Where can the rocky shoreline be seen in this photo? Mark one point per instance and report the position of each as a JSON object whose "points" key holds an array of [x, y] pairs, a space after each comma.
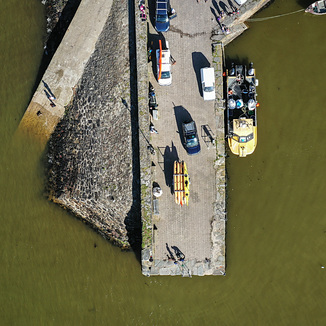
{"points": [[58, 15], [53, 12]]}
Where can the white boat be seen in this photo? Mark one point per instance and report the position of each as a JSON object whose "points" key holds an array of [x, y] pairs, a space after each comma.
{"points": [[317, 8]]}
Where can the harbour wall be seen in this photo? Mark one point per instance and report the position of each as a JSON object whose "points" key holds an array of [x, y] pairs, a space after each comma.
{"points": [[96, 176], [97, 133], [90, 135]]}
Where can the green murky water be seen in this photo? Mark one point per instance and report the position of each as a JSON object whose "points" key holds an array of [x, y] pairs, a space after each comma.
{"points": [[56, 271]]}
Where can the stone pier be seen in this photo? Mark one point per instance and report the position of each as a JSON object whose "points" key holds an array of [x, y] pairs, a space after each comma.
{"points": [[91, 109], [197, 231]]}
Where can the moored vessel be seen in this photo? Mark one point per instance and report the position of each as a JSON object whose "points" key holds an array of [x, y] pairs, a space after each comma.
{"points": [[317, 8], [241, 110]]}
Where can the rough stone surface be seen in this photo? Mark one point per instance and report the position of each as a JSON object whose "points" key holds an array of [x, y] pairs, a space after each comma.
{"points": [[90, 152], [53, 12]]}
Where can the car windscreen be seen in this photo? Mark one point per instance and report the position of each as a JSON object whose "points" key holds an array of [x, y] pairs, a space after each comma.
{"points": [[162, 18], [209, 89], [192, 142], [165, 74]]}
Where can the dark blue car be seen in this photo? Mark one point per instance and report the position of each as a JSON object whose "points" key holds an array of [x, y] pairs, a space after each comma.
{"points": [[190, 136], [162, 21]]}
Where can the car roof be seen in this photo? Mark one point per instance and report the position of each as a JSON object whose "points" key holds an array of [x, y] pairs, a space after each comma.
{"points": [[208, 72], [189, 126]]}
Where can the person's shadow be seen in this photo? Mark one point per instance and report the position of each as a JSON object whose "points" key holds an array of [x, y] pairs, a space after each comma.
{"points": [[232, 6], [224, 6], [215, 15], [217, 8], [199, 61]]}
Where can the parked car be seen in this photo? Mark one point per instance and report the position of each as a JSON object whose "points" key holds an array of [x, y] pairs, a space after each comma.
{"points": [[190, 137], [208, 83], [162, 20], [164, 75]]}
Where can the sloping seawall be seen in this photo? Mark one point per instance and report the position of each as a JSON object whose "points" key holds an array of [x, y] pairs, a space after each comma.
{"points": [[82, 110]]}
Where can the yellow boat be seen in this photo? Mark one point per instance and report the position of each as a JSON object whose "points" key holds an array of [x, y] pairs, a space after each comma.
{"points": [[181, 183], [242, 109], [186, 183], [177, 182]]}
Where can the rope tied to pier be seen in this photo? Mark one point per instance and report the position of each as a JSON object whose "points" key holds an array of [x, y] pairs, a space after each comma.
{"points": [[272, 17]]}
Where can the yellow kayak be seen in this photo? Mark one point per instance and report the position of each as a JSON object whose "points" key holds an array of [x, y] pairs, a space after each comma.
{"points": [[186, 183], [181, 183], [177, 182]]}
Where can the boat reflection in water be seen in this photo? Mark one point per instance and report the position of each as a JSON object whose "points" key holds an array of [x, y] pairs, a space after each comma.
{"points": [[241, 109]]}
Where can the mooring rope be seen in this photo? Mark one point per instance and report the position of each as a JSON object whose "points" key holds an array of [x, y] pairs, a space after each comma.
{"points": [[267, 18]]}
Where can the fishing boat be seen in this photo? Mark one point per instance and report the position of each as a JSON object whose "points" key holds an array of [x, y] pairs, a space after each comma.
{"points": [[317, 8], [181, 183], [241, 110]]}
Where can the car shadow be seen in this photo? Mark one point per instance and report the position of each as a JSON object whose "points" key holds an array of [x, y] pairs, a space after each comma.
{"points": [[181, 115], [199, 61], [170, 155], [151, 12]]}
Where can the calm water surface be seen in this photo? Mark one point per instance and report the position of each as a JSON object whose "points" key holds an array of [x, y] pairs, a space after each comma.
{"points": [[56, 271]]}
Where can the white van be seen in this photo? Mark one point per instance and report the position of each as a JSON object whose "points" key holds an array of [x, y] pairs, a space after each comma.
{"points": [[208, 83], [165, 78]]}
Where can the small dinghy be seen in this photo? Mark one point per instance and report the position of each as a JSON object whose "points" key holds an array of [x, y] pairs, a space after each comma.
{"points": [[317, 8]]}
